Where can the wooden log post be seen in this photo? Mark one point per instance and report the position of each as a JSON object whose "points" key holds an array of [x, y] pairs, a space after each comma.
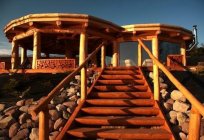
{"points": [[82, 57], [194, 124], [183, 52], [44, 125], [115, 54], [155, 68], [23, 54], [36, 49], [139, 51], [103, 57], [14, 55]]}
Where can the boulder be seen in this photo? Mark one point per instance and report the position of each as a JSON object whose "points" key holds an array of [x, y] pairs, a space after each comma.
{"points": [[163, 86], [53, 135], [51, 106], [29, 101], [181, 118], [13, 129], [70, 104], [170, 101], [59, 123], [61, 107], [23, 117], [24, 108], [177, 95], [202, 127], [2, 107], [65, 115], [167, 106], [202, 138], [4, 132], [164, 94], [77, 77], [20, 103], [34, 135], [6, 122], [22, 134], [172, 116], [182, 136], [57, 100], [185, 126], [73, 98], [51, 125], [54, 114], [180, 106]]}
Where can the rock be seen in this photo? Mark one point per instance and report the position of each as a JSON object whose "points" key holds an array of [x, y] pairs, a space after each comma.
{"points": [[78, 94], [22, 134], [182, 136], [2, 107], [167, 106], [170, 101], [53, 135], [51, 125], [172, 116], [10, 108], [51, 106], [177, 95], [71, 91], [181, 118], [164, 94], [57, 100], [78, 101], [4, 132], [63, 95], [163, 86], [202, 138], [54, 114], [34, 135], [60, 107], [176, 129], [70, 110], [6, 122], [77, 77], [12, 111], [69, 104], [23, 117], [180, 106], [202, 127], [73, 98], [24, 108], [65, 115], [29, 101], [59, 123], [13, 129], [185, 126], [20, 103], [151, 75]]}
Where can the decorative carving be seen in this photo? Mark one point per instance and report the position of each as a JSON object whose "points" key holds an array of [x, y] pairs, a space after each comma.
{"points": [[175, 61], [2, 65], [55, 63]]}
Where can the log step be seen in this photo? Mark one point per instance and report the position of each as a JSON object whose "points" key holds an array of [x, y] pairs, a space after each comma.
{"points": [[120, 88], [120, 120], [147, 111], [122, 68], [121, 95], [120, 102], [114, 133], [120, 82], [121, 72], [121, 77]]}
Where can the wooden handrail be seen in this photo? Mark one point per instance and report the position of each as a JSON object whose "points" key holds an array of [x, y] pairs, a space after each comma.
{"points": [[186, 93], [43, 104]]}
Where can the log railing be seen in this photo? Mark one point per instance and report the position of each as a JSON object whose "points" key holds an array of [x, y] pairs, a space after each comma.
{"points": [[197, 108], [42, 107]]}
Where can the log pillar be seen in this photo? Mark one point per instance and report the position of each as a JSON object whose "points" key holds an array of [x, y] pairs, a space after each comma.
{"points": [[103, 57], [82, 57], [139, 51], [23, 54], [183, 52], [36, 49], [14, 55], [44, 125], [155, 68], [115, 54]]}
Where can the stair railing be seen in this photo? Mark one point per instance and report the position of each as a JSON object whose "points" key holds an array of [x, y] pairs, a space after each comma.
{"points": [[42, 107], [197, 108]]}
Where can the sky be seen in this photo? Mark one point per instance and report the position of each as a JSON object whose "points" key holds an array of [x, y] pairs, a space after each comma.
{"points": [[185, 13]]}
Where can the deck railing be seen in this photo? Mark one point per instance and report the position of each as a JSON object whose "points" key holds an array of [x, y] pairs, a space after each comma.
{"points": [[42, 107], [197, 108]]}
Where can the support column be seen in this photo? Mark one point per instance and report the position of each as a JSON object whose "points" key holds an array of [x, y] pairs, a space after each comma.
{"points": [[23, 54], [103, 57], [115, 54], [36, 49], [155, 68], [183, 52], [14, 55], [139, 51], [82, 57]]}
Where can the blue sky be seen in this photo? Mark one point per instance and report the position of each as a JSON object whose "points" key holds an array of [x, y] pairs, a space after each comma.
{"points": [[183, 13]]}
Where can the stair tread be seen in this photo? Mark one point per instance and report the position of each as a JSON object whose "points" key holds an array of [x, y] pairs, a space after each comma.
{"points": [[119, 77], [120, 82], [122, 68], [120, 120], [121, 102], [121, 110], [119, 95], [114, 133], [121, 72]]}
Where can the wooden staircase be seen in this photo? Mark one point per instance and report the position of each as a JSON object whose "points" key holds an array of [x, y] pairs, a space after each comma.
{"points": [[120, 106]]}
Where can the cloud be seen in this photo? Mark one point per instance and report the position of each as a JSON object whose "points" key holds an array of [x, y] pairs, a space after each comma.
{"points": [[5, 51]]}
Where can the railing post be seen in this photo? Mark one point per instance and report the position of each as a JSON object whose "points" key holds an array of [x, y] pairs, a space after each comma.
{"points": [[155, 68], [194, 124], [139, 51], [103, 57], [82, 57], [115, 54], [44, 125], [183, 52]]}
